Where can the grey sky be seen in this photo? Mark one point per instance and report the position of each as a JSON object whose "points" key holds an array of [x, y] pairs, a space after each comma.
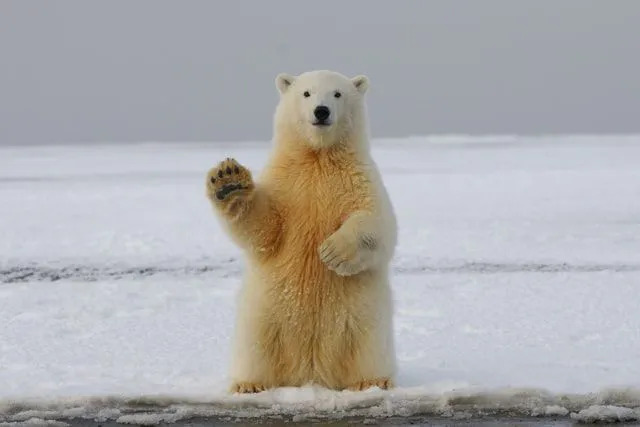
{"points": [[204, 70]]}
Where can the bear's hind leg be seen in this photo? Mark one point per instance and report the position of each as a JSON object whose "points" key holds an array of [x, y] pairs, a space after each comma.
{"points": [[256, 348], [252, 371], [249, 372], [368, 350], [373, 366], [356, 359]]}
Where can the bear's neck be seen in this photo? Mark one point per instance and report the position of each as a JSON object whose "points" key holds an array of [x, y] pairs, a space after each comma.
{"points": [[295, 147]]}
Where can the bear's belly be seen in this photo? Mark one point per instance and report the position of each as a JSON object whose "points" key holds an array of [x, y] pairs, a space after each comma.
{"points": [[319, 323], [298, 265]]}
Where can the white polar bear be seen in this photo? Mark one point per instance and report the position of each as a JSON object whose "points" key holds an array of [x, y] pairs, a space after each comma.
{"points": [[318, 231]]}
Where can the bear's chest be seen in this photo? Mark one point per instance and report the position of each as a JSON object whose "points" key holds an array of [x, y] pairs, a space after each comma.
{"points": [[314, 202], [320, 202]]}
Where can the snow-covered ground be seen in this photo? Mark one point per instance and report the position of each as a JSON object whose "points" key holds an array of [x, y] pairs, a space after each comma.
{"points": [[516, 280]]}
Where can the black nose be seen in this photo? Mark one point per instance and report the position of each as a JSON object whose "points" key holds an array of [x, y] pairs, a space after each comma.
{"points": [[322, 113]]}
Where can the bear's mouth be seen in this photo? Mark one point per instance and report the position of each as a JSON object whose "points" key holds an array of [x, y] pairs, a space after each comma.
{"points": [[321, 123]]}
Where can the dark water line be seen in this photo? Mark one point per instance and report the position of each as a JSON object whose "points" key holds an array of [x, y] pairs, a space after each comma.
{"points": [[92, 273]]}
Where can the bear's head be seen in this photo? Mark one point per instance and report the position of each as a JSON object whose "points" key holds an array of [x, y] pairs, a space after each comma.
{"points": [[321, 108]]}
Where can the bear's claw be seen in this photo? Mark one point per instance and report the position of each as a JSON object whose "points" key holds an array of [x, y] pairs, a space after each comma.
{"points": [[247, 388]]}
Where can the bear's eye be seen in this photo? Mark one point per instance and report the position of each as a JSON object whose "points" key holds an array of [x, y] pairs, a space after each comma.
{"points": [[306, 94], [337, 94]]}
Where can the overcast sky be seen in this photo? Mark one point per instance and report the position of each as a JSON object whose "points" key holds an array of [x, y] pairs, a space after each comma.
{"points": [[156, 70]]}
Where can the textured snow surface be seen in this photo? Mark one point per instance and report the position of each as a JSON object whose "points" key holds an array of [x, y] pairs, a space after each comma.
{"points": [[516, 283], [607, 413]]}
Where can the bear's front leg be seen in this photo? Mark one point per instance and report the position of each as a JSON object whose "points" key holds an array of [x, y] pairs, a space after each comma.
{"points": [[354, 247], [246, 209]]}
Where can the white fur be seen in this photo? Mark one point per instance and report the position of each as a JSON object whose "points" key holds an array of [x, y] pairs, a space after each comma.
{"points": [[348, 112], [360, 292]]}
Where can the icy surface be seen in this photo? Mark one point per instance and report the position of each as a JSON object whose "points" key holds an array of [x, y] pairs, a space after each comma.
{"points": [[516, 280]]}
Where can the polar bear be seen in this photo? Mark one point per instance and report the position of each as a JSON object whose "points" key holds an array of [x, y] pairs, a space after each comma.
{"points": [[318, 231]]}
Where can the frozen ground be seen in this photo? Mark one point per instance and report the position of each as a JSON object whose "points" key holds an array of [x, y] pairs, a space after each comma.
{"points": [[516, 279]]}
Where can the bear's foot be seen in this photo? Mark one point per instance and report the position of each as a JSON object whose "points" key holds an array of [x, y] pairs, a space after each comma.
{"points": [[247, 388], [383, 383]]}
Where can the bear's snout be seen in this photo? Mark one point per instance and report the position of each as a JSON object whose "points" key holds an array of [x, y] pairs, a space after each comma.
{"points": [[321, 113]]}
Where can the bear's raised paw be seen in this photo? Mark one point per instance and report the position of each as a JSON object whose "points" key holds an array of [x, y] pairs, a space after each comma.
{"points": [[227, 178]]}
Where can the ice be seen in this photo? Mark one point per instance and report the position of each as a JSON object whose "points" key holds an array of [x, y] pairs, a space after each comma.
{"points": [[515, 282]]}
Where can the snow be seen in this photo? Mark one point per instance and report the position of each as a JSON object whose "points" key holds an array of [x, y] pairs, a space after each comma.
{"points": [[515, 283], [34, 422], [606, 413]]}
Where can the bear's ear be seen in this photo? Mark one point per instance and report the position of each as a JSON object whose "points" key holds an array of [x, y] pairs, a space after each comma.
{"points": [[283, 81], [361, 83]]}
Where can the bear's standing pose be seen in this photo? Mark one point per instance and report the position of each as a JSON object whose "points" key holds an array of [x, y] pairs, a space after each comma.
{"points": [[319, 231]]}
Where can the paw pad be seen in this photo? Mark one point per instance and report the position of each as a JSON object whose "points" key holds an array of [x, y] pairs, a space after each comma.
{"points": [[227, 178]]}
